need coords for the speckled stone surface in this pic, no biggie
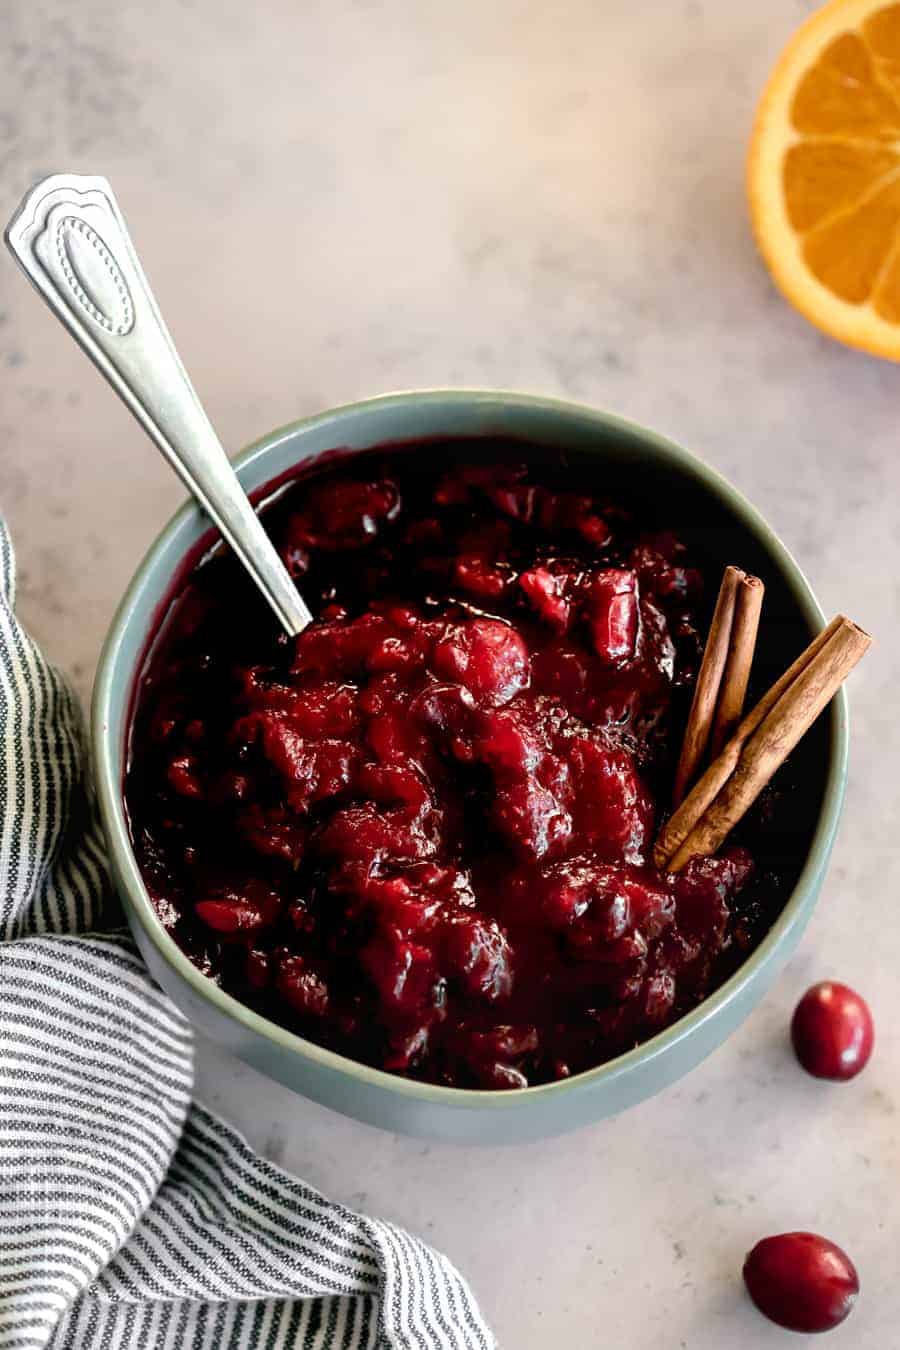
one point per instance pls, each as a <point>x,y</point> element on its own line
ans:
<point>338,199</point>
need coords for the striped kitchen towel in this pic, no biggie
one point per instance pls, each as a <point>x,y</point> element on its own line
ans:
<point>130,1217</point>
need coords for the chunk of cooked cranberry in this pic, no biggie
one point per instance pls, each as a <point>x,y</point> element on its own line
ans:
<point>487,656</point>
<point>661,575</point>
<point>301,916</point>
<point>478,954</point>
<point>184,776</point>
<point>613,807</point>
<point>272,831</point>
<point>557,511</point>
<point>530,818</point>
<point>614,901</point>
<point>258,969</point>
<point>613,615</point>
<point>340,649</point>
<point>567,890</point>
<point>393,653</point>
<point>496,1058</point>
<point>302,987</point>
<point>230,786</point>
<point>332,767</point>
<point>545,592</point>
<point>392,902</point>
<point>516,500</point>
<point>445,708</point>
<point>658,997</point>
<point>565,672</point>
<point>531,786</point>
<point>310,771</point>
<point>394,785</point>
<point>395,737</point>
<point>593,528</point>
<point>406,1048</point>
<point>231,912</point>
<point>704,891</point>
<point>507,740</point>
<point>342,513</point>
<point>403,971</point>
<point>583,888</point>
<point>296,559</point>
<point>479,576</point>
<point>448,883</point>
<point>618,966</point>
<point>707,883</point>
<point>370,836</point>
<point>466,481</point>
<point>316,707</point>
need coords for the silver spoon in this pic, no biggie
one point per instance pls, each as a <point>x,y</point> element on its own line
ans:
<point>71,240</point>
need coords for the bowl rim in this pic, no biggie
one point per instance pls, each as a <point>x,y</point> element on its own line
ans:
<point>112,685</point>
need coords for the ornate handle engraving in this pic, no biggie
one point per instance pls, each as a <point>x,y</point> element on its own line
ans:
<point>90,287</point>
<point>71,240</point>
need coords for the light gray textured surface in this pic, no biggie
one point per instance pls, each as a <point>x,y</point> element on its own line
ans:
<point>530,195</point>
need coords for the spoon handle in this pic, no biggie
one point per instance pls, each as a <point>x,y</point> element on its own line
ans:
<point>71,240</point>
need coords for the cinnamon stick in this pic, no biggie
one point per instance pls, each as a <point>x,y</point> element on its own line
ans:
<point>752,757</point>
<point>747,607</point>
<point>719,654</point>
<point>682,822</point>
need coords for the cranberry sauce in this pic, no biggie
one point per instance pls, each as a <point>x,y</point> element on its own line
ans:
<point>420,832</point>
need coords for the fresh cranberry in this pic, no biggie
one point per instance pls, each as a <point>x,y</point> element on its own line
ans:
<point>832,1031</point>
<point>801,1281</point>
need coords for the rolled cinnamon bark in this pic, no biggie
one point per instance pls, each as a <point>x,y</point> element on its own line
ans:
<point>788,718</point>
<point>741,647</point>
<point>682,821</point>
<point>706,690</point>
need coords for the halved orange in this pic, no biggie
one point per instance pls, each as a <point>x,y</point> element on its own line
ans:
<point>823,174</point>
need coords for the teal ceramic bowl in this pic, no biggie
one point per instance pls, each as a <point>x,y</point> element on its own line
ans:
<point>724,526</point>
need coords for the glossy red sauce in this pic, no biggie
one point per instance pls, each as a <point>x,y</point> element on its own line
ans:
<point>420,832</point>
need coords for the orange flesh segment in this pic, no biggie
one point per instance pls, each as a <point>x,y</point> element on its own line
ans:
<point>823,178</point>
<point>849,253</point>
<point>886,298</point>
<point>881,32</point>
<point>841,95</point>
<point>842,185</point>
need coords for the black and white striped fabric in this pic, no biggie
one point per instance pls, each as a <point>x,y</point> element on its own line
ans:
<point>129,1217</point>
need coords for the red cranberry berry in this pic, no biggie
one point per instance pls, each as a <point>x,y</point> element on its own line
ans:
<point>832,1031</point>
<point>801,1281</point>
